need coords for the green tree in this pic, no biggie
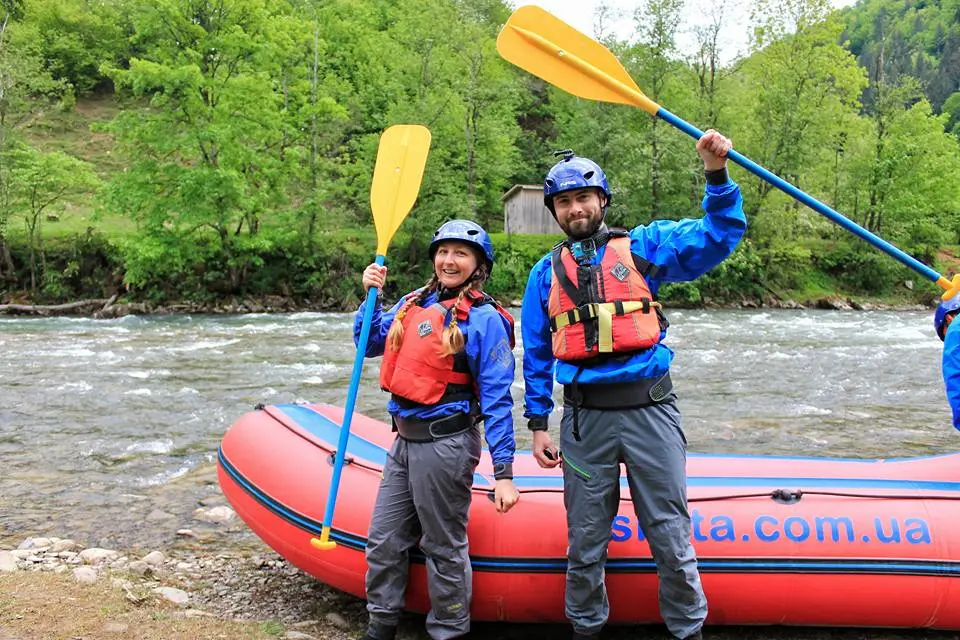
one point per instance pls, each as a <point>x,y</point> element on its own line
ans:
<point>212,152</point>
<point>800,87</point>
<point>77,37</point>
<point>25,90</point>
<point>38,182</point>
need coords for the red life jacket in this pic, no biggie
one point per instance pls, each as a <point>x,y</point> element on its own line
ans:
<point>604,309</point>
<point>417,372</point>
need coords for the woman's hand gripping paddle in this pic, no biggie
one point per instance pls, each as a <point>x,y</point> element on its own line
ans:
<point>538,42</point>
<point>401,159</point>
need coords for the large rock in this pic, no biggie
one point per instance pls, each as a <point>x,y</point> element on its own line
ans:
<point>216,514</point>
<point>176,596</point>
<point>8,562</point>
<point>95,555</point>
<point>85,575</point>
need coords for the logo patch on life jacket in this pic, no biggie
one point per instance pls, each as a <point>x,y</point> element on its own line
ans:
<point>424,328</point>
<point>620,272</point>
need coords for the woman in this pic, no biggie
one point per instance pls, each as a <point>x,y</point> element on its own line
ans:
<point>448,363</point>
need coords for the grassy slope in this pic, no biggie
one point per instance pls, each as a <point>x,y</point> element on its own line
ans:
<point>70,132</point>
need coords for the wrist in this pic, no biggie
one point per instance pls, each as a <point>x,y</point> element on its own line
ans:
<point>537,423</point>
<point>716,176</point>
<point>503,471</point>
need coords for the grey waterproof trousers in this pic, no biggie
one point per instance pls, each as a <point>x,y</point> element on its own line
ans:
<point>650,442</point>
<point>424,497</point>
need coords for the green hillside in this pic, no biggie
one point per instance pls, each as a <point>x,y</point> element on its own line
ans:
<point>179,151</point>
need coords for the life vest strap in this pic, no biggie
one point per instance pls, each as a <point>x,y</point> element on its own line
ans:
<point>604,312</point>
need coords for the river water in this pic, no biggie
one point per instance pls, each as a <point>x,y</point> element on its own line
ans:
<point>109,428</point>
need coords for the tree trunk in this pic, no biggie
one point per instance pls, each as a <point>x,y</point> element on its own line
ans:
<point>47,309</point>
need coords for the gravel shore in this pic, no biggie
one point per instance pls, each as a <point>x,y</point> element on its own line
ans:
<point>258,585</point>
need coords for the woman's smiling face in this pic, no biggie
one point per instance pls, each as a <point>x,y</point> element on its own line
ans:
<point>454,262</point>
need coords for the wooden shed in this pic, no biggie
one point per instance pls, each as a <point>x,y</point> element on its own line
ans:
<point>524,211</point>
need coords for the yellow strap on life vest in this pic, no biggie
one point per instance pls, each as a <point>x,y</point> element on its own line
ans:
<point>604,312</point>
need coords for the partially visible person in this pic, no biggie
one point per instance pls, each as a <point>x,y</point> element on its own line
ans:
<point>448,364</point>
<point>590,317</point>
<point>943,323</point>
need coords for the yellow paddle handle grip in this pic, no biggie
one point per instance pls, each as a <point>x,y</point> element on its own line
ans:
<point>324,543</point>
<point>950,287</point>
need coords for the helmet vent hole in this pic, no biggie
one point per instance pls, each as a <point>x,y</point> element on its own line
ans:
<point>588,175</point>
<point>549,182</point>
<point>472,232</point>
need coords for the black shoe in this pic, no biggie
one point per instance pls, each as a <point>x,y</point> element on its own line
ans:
<point>696,636</point>
<point>377,631</point>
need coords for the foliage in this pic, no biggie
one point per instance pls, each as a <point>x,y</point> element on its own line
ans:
<point>241,156</point>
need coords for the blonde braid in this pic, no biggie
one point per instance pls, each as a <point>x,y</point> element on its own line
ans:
<point>453,340</point>
<point>395,335</point>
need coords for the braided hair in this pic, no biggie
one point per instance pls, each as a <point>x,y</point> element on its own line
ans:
<point>395,335</point>
<point>452,339</point>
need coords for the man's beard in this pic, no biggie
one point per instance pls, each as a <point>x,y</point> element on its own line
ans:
<point>583,228</point>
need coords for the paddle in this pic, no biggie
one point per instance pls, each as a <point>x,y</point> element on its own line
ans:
<point>396,182</point>
<point>538,42</point>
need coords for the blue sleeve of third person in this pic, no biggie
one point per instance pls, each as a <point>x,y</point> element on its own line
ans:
<point>951,369</point>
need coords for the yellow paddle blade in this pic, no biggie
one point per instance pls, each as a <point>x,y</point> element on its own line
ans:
<point>401,159</point>
<point>539,42</point>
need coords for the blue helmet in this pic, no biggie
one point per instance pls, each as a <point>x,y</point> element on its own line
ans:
<point>945,308</point>
<point>464,231</point>
<point>573,172</point>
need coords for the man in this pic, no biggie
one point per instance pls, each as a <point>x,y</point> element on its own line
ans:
<point>942,322</point>
<point>590,309</point>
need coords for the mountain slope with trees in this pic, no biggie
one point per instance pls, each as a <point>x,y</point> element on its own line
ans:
<point>236,154</point>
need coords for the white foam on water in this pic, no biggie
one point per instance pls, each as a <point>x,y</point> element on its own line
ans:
<point>313,380</point>
<point>145,375</point>
<point>782,355</point>
<point>81,386</point>
<point>271,327</point>
<point>707,355</point>
<point>202,344</point>
<point>188,391</point>
<point>151,446</point>
<point>808,410</point>
<point>72,352</point>
<point>308,368</point>
<point>138,392</point>
<point>162,478</point>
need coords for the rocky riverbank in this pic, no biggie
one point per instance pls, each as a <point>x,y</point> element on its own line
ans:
<point>257,593</point>
<point>108,309</point>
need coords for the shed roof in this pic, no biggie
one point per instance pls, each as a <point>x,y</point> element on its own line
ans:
<point>519,187</point>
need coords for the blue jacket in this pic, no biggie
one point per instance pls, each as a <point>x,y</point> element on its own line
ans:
<point>951,369</point>
<point>684,250</point>
<point>491,362</point>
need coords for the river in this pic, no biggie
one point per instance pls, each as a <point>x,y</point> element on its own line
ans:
<point>109,428</point>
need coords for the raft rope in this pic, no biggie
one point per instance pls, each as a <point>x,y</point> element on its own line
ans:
<point>785,495</point>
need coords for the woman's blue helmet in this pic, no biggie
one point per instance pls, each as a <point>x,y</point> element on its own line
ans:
<point>945,308</point>
<point>464,231</point>
<point>573,172</point>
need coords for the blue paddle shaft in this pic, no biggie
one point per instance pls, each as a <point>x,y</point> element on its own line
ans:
<point>813,203</point>
<point>351,400</point>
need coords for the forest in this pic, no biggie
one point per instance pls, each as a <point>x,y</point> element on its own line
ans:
<point>203,150</point>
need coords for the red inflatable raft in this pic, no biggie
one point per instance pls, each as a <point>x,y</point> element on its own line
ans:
<point>781,540</point>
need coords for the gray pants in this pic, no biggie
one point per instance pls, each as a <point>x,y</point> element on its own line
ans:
<point>651,443</point>
<point>424,497</point>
